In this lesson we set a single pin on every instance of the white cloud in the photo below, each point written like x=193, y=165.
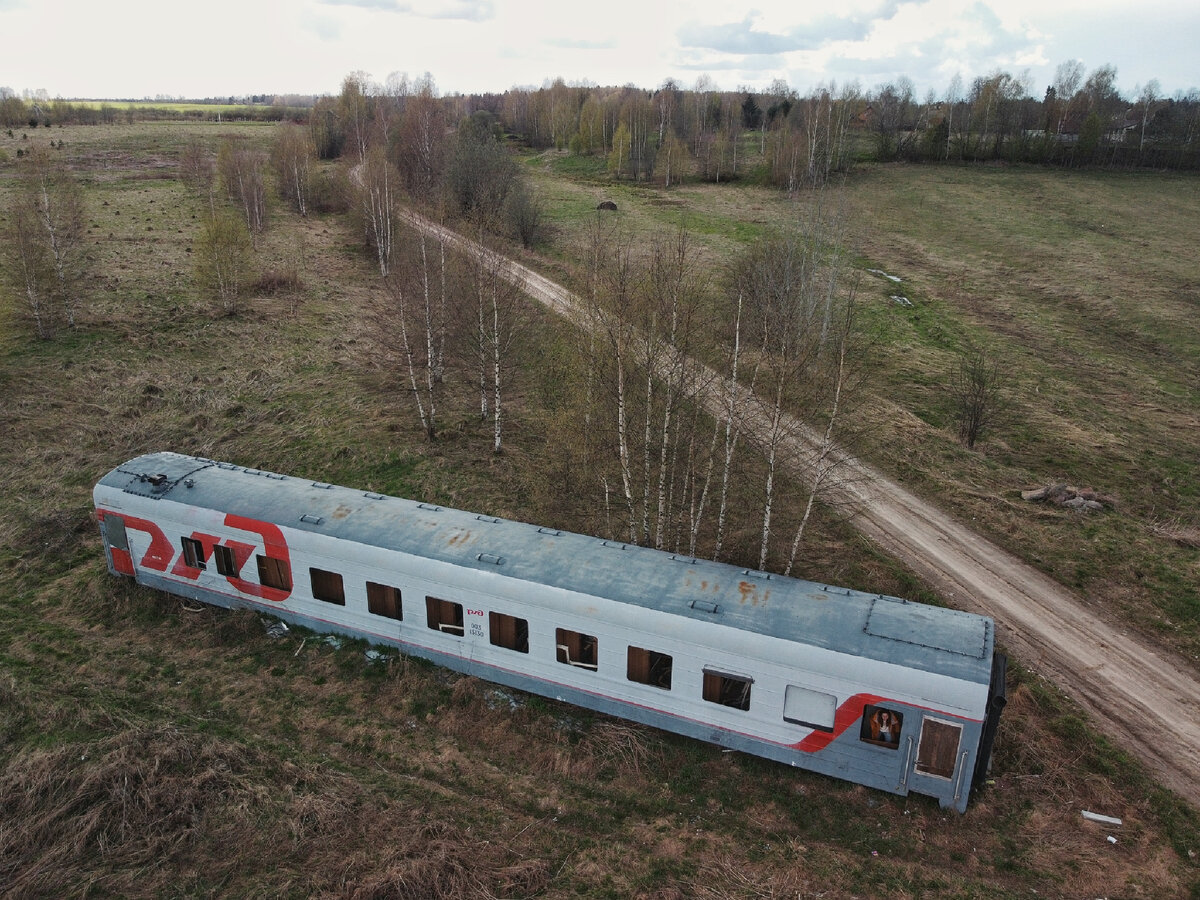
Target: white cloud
x=133, y=48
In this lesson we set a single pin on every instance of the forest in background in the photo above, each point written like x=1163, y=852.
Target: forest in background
x=675, y=131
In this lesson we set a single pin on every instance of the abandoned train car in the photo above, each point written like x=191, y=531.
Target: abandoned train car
x=891, y=694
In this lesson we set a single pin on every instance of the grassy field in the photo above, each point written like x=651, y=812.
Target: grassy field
x=151, y=750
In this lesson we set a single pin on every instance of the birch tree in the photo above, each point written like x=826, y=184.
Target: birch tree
x=43, y=243
x=414, y=315
x=292, y=156
x=377, y=183
x=242, y=172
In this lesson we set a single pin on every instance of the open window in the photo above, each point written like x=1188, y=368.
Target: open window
x=444, y=615
x=225, y=560
x=813, y=709
x=726, y=689
x=327, y=586
x=384, y=600
x=881, y=726
x=273, y=573
x=937, y=751
x=576, y=649
x=649, y=667
x=508, y=632
x=193, y=553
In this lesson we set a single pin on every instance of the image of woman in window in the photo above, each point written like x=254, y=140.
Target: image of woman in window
x=882, y=726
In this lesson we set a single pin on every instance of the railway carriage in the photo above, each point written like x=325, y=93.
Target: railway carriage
x=891, y=694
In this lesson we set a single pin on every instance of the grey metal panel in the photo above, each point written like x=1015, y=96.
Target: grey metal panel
x=929, y=626
x=922, y=637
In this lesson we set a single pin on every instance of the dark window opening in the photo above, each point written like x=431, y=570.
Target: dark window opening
x=193, y=553
x=327, y=586
x=384, y=600
x=509, y=632
x=881, y=727
x=649, y=667
x=727, y=690
x=444, y=615
x=576, y=649
x=273, y=573
x=224, y=558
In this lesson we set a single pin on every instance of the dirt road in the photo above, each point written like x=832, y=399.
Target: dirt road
x=1145, y=700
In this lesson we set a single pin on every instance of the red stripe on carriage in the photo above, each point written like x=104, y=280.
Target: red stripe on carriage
x=848, y=716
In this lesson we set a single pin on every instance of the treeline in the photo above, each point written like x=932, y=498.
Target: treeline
x=783, y=138
x=16, y=112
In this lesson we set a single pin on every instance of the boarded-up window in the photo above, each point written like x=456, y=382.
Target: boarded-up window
x=225, y=560
x=938, y=748
x=576, y=649
x=193, y=553
x=327, y=586
x=508, y=631
x=728, y=690
x=649, y=667
x=444, y=615
x=273, y=573
x=384, y=600
x=815, y=709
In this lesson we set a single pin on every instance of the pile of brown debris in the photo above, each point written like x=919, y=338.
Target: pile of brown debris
x=1083, y=499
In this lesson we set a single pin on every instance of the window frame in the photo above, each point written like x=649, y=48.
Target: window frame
x=226, y=560
x=584, y=646
x=381, y=597
x=653, y=666
x=445, y=616
x=327, y=586
x=193, y=553
x=718, y=687
x=498, y=625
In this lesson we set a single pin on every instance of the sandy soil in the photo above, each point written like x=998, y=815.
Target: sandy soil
x=1140, y=697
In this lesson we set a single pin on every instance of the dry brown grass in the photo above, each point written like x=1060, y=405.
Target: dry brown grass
x=148, y=748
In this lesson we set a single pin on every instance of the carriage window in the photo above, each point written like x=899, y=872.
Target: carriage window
x=444, y=615
x=193, y=553
x=327, y=586
x=938, y=748
x=273, y=573
x=576, y=649
x=814, y=709
x=649, y=667
x=509, y=632
x=728, y=690
x=224, y=558
x=384, y=600
x=881, y=726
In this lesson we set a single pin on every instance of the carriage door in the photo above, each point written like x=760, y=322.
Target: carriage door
x=118, y=544
x=937, y=752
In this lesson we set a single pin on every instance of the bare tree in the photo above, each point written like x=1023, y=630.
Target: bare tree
x=497, y=322
x=354, y=110
x=242, y=171
x=292, y=156
x=223, y=254
x=43, y=246
x=377, y=183
x=977, y=387
x=417, y=315
x=421, y=147
x=27, y=268
x=197, y=168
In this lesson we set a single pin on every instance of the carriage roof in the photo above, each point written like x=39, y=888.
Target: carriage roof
x=930, y=638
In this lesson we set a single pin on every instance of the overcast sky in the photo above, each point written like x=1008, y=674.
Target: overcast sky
x=118, y=49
